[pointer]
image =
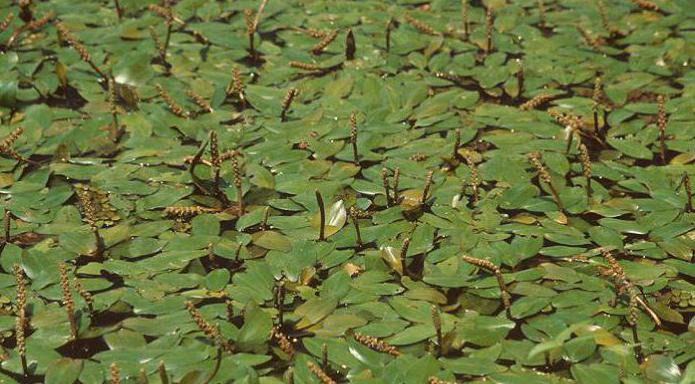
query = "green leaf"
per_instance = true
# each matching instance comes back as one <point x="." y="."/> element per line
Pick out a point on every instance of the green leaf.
<point x="63" y="371"/>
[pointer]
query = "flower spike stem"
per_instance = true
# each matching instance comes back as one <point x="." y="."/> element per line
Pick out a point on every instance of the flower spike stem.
<point x="322" y="212"/>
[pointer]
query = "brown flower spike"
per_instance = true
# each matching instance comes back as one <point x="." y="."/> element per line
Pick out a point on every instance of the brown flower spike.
<point x="174" y="107"/>
<point x="114" y="374"/>
<point x="305" y="66"/>
<point x="236" y="87"/>
<point x="250" y="31"/>
<point x="21" y="295"/>
<point x="536" y="101"/>
<point x="77" y="45"/>
<point x="86" y="296"/>
<point x="544" y="176"/>
<point x="419" y="25"/>
<point x="646" y="5"/>
<point x="237" y="183"/>
<point x="68" y="301"/>
<point x="287" y="102"/>
<point x="353" y="137"/>
<point x="375" y="344"/>
<point x="436" y="380"/>
<point x="282" y="341"/>
<point x="625" y="286"/>
<point x="586" y="167"/>
<point x="21" y="344"/>
<point x="490" y="267"/>
<point x="7" y="143"/>
<point x="661" y="124"/>
<point x="325" y="42"/>
<point x="6" y="22"/>
<point x="474" y="178"/>
<point x="489" y="26"/>
<point x="199" y="101"/>
<point x="188" y="211"/>
<point x="319" y="373"/>
<point x="210" y="331"/>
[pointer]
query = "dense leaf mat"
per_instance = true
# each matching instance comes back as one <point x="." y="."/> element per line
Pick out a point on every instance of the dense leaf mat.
<point x="347" y="191"/>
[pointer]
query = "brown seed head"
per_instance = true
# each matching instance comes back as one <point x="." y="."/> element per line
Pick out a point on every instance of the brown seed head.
<point x="590" y="40"/>
<point x="199" y="101"/>
<point x="174" y="107"/>
<point x="248" y="19"/>
<point x="228" y="154"/>
<point x="68" y="301"/>
<point x="567" y="120"/>
<point x="188" y="211"/>
<point x="199" y="37"/>
<point x="237" y="172"/>
<point x="238" y="83"/>
<point x="436" y="380"/>
<point x="305" y="66"/>
<point x="489" y="26"/>
<point x="6" y="22"/>
<point x="661" y="115"/>
<point x="114" y="374"/>
<point x="485" y="264"/>
<point x="353" y="128"/>
<point x="623" y="285"/>
<point x="419" y="25"/>
<point x="375" y="344"/>
<point x="475" y="179"/>
<point x="536" y="101"/>
<point x="319" y="373"/>
<point x="494" y="269"/>
<point x="210" y="331"/>
<point x="21" y="293"/>
<point x="163" y="12"/>
<point x="325" y="41"/>
<point x="315" y="33"/>
<point x="10" y="139"/>
<point x="214" y="150"/>
<point x="448" y="76"/>
<point x="19" y="336"/>
<point x="85" y="294"/>
<point x="87" y="205"/>
<point x="282" y="341"/>
<point x="598" y="90"/>
<point x="586" y="160"/>
<point x="68" y="37"/>
<point x="646" y="5"/>
<point x="40" y="23"/>
<point x="542" y="172"/>
<point x="287" y="101"/>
